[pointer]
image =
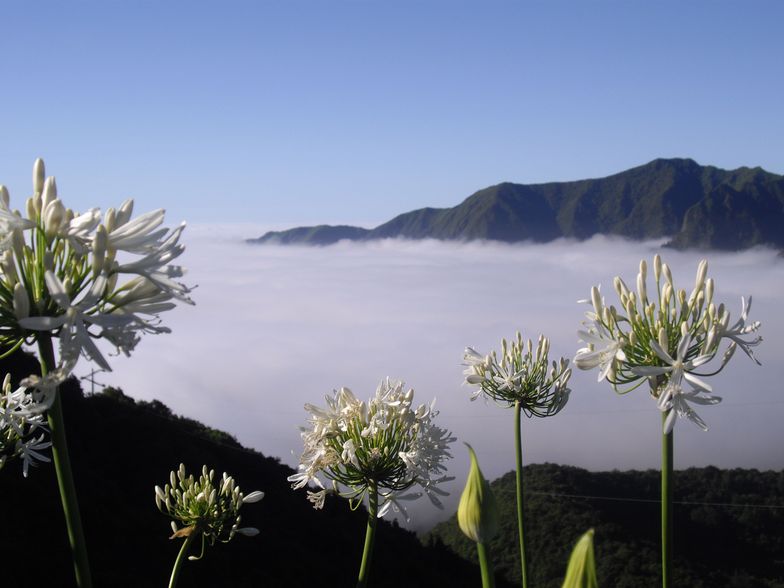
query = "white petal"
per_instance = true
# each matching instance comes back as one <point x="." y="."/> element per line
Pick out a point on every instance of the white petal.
<point x="695" y="381"/>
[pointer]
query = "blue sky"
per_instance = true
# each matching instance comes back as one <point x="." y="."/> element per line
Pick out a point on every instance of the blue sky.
<point x="281" y="113"/>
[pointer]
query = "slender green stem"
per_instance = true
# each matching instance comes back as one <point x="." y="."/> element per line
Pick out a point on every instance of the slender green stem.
<point x="62" y="466"/>
<point x="488" y="581"/>
<point x="666" y="506"/>
<point x="181" y="558"/>
<point x="370" y="535"/>
<point x="519" y="478"/>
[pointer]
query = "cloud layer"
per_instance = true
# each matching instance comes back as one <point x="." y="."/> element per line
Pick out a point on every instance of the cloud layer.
<point x="276" y="327"/>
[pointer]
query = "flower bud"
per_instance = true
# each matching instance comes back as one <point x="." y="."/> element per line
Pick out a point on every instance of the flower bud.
<point x="38" y="176"/>
<point x="581" y="571"/>
<point x="663" y="341"/>
<point x="9" y="268"/>
<point x="477" y="514"/>
<point x="49" y="193"/>
<point x="30" y="207"/>
<point x="667" y="273"/>
<point x="5" y="198"/>
<point x="641" y="288"/>
<point x="21" y="301"/>
<point x="18" y="244"/>
<point x="110" y="220"/>
<point x="99" y="249"/>
<point x="254" y="496"/>
<point x="702" y="271"/>
<point x="620" y="286"/>
<point x="53" y="218"/>
<point x="666" y="294"/>
<point x="657" y="267"/>
<point x="596" y="299"/>
<point x="124" y="212"/>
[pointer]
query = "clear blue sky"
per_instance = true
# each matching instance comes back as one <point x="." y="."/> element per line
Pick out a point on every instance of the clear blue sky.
<point x="294" y="112"/>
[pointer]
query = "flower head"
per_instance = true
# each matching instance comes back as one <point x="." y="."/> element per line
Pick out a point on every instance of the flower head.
<point x="205" y="505"/>
<point x="60" y="274"/>
<point x="21" y="418"/>
<point x="663" y="339"/>
<point x="521" y="374"/>
<point x="386" y="444"/>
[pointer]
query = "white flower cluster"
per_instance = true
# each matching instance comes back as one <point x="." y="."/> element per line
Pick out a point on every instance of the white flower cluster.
<point x="20" y="420"/>
<point x="664" y="339"/>
<point x="60" y="274"/>
<point x="385" y="445"/>
<point x="520" y="375"/>
<point x="204" y="506"/>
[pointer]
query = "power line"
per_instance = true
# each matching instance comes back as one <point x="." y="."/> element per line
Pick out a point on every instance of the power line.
<point x="654" y="501"/>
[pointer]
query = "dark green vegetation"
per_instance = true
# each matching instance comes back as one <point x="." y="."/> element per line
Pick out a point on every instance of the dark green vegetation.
<point x="715" y="544"/>
<point x="120" y="449"/>
<point x="697" y="206"/>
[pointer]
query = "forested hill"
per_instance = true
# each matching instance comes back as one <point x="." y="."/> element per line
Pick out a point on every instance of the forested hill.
<point x="120" y="449"/>
<point x="693" y="205"/>
<point x="729" y="526"/>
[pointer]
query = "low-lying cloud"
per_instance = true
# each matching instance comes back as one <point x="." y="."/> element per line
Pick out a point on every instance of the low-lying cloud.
<point x="276" y="327"/>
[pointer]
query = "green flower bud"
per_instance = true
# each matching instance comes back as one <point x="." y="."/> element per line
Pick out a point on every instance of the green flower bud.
<point x="581" y="572"/>
<point x="477" y="514"/>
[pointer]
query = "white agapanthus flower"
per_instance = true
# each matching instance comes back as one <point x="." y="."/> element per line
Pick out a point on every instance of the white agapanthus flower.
<point x="61" y="274"/>
<point x="664" y="340"/>
<point x="520" y="374"/>
<point x="385" y="445"/>
<point x="20" y="422"/>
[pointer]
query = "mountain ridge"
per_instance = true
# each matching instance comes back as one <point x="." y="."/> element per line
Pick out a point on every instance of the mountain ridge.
<point x="679" y="199"/>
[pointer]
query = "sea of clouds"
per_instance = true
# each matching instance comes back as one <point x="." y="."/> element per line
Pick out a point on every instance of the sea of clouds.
<point x="275" y="327"/>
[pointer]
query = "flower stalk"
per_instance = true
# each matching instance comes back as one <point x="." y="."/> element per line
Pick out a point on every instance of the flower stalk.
<point x="519" y="493"/>
<point x="175" y="575"/>
<point x="666" y="506"/>
<point x="485" y="565"/>
<point x="65" y="481"/>
<point x="370" y="536"/>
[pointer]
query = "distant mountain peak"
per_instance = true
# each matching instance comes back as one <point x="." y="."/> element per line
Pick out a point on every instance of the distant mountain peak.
<point x="672" y="198"/>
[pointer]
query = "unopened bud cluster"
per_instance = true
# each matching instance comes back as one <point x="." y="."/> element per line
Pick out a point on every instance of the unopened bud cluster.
<point x="520" y="373"/>
<point x="205" y="505"/>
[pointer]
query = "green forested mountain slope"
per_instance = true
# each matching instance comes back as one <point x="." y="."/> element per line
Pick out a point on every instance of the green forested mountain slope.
<point x="729" y="526"/>
<point x="697" y="206"/>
